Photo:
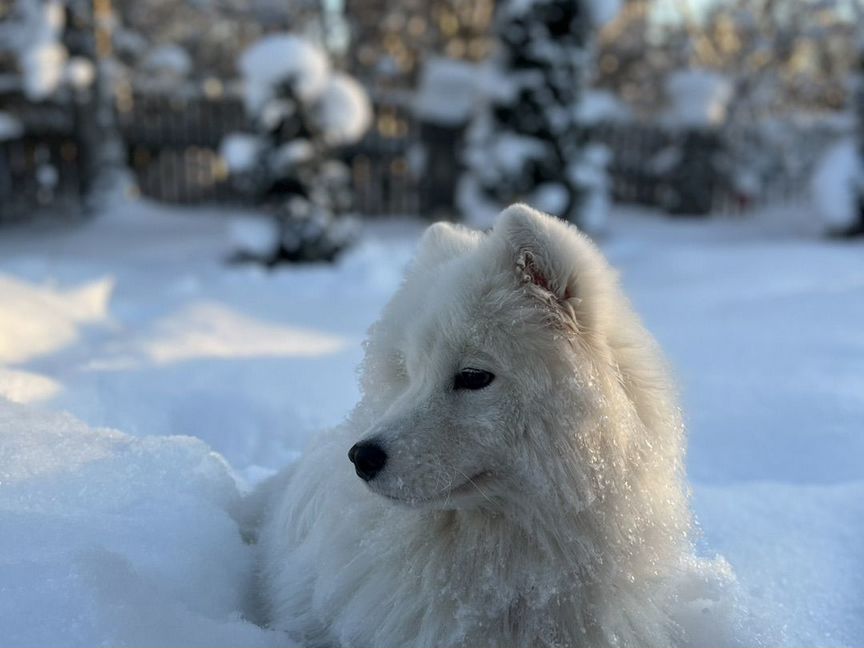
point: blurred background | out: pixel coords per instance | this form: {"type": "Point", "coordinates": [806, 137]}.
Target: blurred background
{"type": "Point", "coordinates": [311, 110]}
{"type": "Point", "coordinates": [204, 204]}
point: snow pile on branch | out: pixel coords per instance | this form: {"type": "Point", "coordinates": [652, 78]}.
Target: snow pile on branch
{"type": "Point", "coordinates": [604, 11]}
{"type": "Point", "coordinates": [10, 127]}
{"type": "Point", "coordinates": [448, 91]}
{"type": "Point", "coordinates": [41, 55]}
{"type": "Point", "coordinates": [835, 187]}
{"type": "Point", "coordinates": [344, 112]}
{"type": "Point", "coordinates": [112, 540]}
{"type": "Point", "coordinates": [80, 72]}
{"type": "Point", "coordinates": [240, 151]}
{"type": "Point", "coordinates": [283, 58]}
{"type": "Point", "coordinates": [168, 61]}
{"type": "Point", "coordinates": [599, 106]}
{"type": "Point", "coordinates": [698, 98]}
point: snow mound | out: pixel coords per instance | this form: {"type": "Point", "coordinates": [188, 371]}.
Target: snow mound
{"type": "Point", "coordinates": [277, 58]}
{"type": "Point", "coordinates": [112, 540]}
{"type": "Point", "coordinates": [834, 186]}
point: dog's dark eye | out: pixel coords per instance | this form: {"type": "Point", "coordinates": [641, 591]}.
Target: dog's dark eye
{"type": "Point", "coordinates": [472, 379]}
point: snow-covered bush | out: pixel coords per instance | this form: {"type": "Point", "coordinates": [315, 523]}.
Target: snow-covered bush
{"type": "Point", "coordinates": [32, 33]}
{"type": "Point", "coordinates": [530, 143]}
{"type": "Point", "coordinates": [301, 111]}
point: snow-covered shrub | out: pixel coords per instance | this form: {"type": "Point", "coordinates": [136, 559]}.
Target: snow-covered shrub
{"type": "Point", "coordinates": [530, 142]}
{"type": "Point", "coordinates": [301, 111]}
{"type": "Point", "coordinates": [32, 34]}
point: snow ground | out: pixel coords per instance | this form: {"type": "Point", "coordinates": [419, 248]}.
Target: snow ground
{"type": "Point", "coordinates": [185, 379]}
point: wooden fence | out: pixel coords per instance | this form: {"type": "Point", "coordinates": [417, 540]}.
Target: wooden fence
{"type": "Point", "coordinates": [46, 165]}
{"type": "Point", "coordinates": [401, 167]}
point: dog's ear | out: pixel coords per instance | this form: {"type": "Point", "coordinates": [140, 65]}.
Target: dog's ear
{"type": "Point", "coordinates": [541, 247]}
{"type": "Point", "coordinates": [443, 241]}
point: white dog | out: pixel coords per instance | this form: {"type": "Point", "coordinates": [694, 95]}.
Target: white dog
{"type": "Point", "coordinates": [517, 473]}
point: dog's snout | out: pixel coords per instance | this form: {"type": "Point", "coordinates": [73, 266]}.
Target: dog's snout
{"type": "Point", "coordinates": [368, 458]}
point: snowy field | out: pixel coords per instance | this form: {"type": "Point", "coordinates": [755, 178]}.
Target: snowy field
{"type": "Point", "coordinates": [146, 384]}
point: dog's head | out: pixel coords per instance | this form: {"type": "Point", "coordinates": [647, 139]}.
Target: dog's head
{"type": "Point", "coordinates": [495, 369]}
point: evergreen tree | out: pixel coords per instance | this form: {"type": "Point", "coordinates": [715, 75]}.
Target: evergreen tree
{"type": "Point", "coordinates": [528, 144]}
{"type": "Point", "coordinates": [302, 112]}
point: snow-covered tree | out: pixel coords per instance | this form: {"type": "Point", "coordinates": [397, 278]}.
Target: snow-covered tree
{"type": "Point", "coordinates": [302, 112]}
{"type": "Point", "coordinates": [528, 143]}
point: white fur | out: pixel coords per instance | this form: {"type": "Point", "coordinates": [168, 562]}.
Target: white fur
{"type": "Point", "coordinates": [548, 509]}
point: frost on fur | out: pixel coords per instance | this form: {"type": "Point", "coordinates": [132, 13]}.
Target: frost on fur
{"type": "Point", "coordinates": [547, 508]}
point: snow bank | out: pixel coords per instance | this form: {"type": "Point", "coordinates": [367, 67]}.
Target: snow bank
{"type": "Point", "coordinates": [112, 540]}
{"type": "Point", "coordinates": [835, 187]}
{"type": "Point", "coordinates": [276, 58]}
{"type": "Point", "coordinates": [797, 552]}
{"type": "Point", "coordinates": [108, 538]}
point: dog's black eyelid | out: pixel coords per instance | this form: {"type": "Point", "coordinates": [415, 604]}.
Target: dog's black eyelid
{"type": "Point", "coordinates": [470, 378]}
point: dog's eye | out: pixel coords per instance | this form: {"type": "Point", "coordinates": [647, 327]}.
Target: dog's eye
{"type": "Point", "coordinates": [469, 378]}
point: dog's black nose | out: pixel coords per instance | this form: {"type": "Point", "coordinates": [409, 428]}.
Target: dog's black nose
{"type": "Point", "coordinates": [368, 459]}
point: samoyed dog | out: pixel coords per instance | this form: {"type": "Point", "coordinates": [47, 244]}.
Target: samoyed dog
{"type": "Point", "coordinates": [513, 474]}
